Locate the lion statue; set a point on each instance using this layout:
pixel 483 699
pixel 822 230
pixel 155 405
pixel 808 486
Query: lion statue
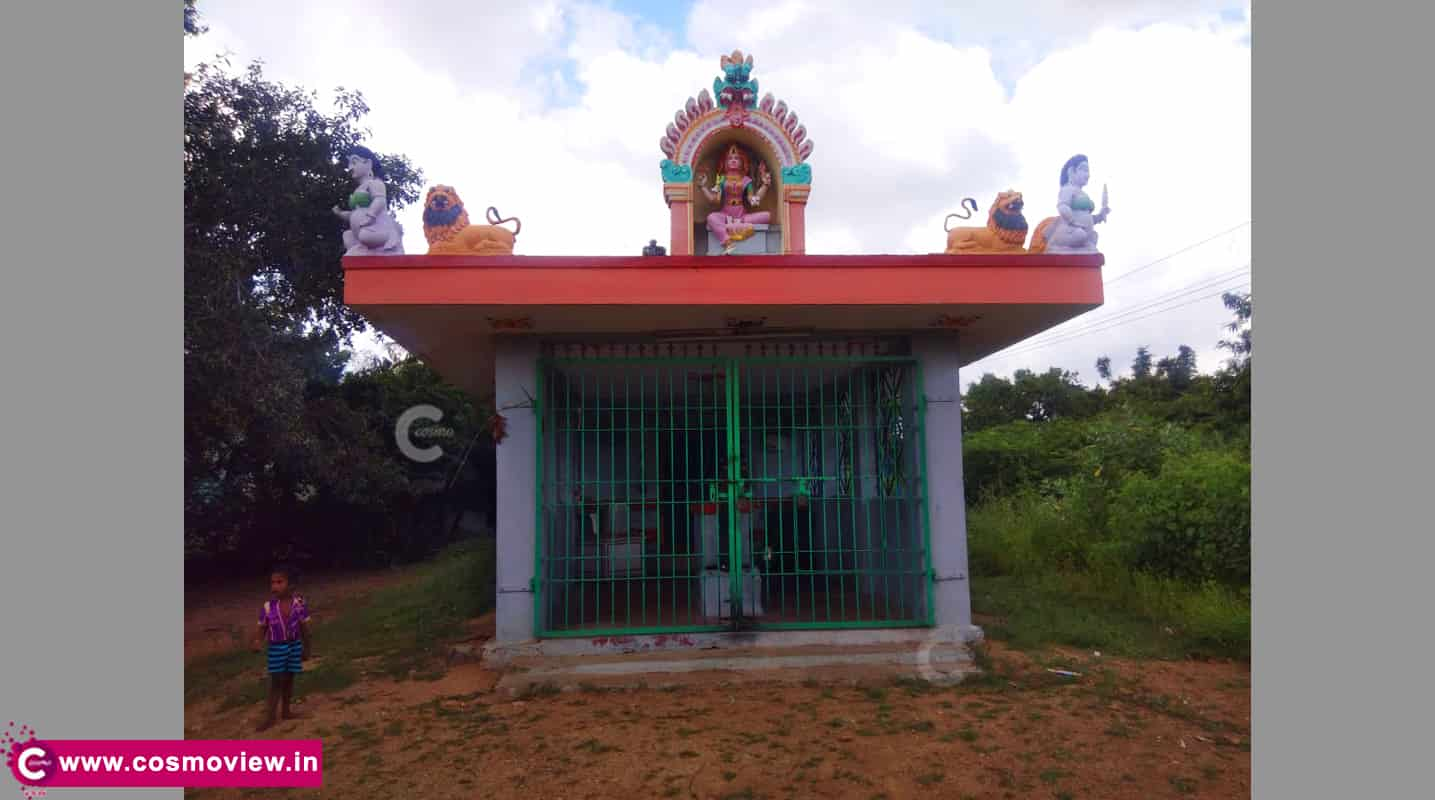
pixel 1005 230
pixel 448 231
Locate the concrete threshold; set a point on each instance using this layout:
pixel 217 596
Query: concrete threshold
pixel 499 654
pixel 942 662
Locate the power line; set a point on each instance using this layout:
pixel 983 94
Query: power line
pixel 1045 345
pixel 1159 300
pixel 1187 248
pixel 1130 321
pixel 1042 345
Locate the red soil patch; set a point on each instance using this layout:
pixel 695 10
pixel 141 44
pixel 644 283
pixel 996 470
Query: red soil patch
pixel 1124 729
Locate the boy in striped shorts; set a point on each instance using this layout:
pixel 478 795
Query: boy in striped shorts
pixel 284 626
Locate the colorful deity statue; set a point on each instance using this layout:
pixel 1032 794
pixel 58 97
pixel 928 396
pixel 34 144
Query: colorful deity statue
pixel 771 139
pixel 1073 230
pixel 735 191
pixel 372 227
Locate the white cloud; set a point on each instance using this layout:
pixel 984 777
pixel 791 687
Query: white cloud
pixel 913 104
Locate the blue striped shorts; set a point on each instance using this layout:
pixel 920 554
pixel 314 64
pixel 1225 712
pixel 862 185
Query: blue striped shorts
pixel 285 657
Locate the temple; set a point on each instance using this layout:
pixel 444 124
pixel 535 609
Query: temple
pixel 734 436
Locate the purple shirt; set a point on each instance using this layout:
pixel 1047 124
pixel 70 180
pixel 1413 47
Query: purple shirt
pixel 283 628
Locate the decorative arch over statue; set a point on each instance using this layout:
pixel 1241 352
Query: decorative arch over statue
pixel 767 131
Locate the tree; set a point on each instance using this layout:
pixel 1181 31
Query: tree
pixel 1103 368
pixel 1240 347
pixel 265 327
pixel 192 27
pixel 1054 394
pixel 1233 383
pixel 1141 366
pixel 990 402
pixel 1178 371
pixel 1032 397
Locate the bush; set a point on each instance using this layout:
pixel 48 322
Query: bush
pixel 1030 532
pixel 1001 533
pixel 1192 522
pixel 1001 460
pixel 1005 459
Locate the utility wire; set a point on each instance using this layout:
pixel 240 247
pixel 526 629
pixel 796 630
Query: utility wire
pixel 1160 299
pixel 1187 248
pixel 1045 345
pixel 1239 284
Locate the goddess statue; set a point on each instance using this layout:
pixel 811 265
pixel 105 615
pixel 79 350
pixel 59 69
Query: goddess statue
pixel 735 191
pixel 1073 230
pixel 372 227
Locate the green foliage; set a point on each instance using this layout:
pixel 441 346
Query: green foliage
pixel 398 630
pixel 1193 521
pixel 1240 347
pixel 1002 459
pixel 1119 613
pixel 286 456
pixel 1059 455
pixel 1008 535
pixel 1141 366
pixel 407 624
pixel 1124 529
pixel 1051 395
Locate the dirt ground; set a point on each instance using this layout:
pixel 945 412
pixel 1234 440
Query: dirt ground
pixel 1122 729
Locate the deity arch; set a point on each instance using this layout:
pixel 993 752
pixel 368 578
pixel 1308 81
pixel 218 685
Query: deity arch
pixel 735 176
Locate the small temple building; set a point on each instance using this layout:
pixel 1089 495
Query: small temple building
pixel 729 434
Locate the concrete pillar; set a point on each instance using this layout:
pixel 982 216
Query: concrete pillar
pixel 794 228
pixel 680 216
pixel 946 500
pixel 515 372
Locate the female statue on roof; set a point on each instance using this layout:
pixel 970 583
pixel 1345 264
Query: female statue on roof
pixel 734 190
pixel 372 227
pixel 1073 230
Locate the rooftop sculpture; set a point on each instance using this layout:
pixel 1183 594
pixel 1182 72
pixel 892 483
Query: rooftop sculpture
pixel 372 227
pixel 1005 231
pixel 449 232
pixel 759 150
pixel 1073 229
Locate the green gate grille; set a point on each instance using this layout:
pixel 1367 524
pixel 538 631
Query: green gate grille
pixel 680 494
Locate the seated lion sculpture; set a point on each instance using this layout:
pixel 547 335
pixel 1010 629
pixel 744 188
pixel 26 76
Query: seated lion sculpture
pixel 448 231
pixel 1005 231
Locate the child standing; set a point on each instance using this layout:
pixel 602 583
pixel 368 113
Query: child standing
pixel 284 627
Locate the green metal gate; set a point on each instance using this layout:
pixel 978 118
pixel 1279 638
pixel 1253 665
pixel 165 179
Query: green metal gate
pixel 694 494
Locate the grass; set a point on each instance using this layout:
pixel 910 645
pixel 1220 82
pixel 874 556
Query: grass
pixel 1104 607
pixel 1183 785
pixel 401 629
pixel 596 747
pixel 1086 612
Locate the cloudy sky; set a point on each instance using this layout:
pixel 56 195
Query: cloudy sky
pixel 912 104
